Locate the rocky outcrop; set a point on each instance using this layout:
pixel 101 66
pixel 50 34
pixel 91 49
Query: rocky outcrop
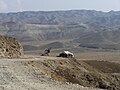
pixel 10 47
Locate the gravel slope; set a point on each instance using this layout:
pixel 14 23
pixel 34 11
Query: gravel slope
pixel 16 75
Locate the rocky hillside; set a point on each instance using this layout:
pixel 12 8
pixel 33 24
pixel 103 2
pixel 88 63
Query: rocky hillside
pixel 83 73
pixel 35 74
pixel 10 47
pixel 89 28
pixel 53 73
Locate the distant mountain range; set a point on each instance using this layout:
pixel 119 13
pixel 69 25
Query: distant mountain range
pixel 93 29
pixel 89 17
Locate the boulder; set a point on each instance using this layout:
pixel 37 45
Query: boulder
pixel 10 47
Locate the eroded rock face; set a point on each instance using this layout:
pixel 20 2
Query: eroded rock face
pixel 10 47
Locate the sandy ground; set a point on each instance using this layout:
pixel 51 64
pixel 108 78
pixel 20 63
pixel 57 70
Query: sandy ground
pixel 17 76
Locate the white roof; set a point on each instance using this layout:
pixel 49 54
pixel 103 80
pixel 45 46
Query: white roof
pixel 67 52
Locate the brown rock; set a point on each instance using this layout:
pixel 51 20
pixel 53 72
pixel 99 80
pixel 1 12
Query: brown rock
pixel 10 47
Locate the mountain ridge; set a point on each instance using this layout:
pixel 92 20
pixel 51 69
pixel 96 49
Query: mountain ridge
pixel 56 17
pixel 81 26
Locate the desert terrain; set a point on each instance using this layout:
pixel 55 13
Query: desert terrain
pixel 88 71
pixel 31 73
pixel 92 36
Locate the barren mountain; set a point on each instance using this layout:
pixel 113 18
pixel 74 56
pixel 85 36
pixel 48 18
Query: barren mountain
pixel 89 28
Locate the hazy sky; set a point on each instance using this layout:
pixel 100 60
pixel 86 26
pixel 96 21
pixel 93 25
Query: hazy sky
pixel 51 5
